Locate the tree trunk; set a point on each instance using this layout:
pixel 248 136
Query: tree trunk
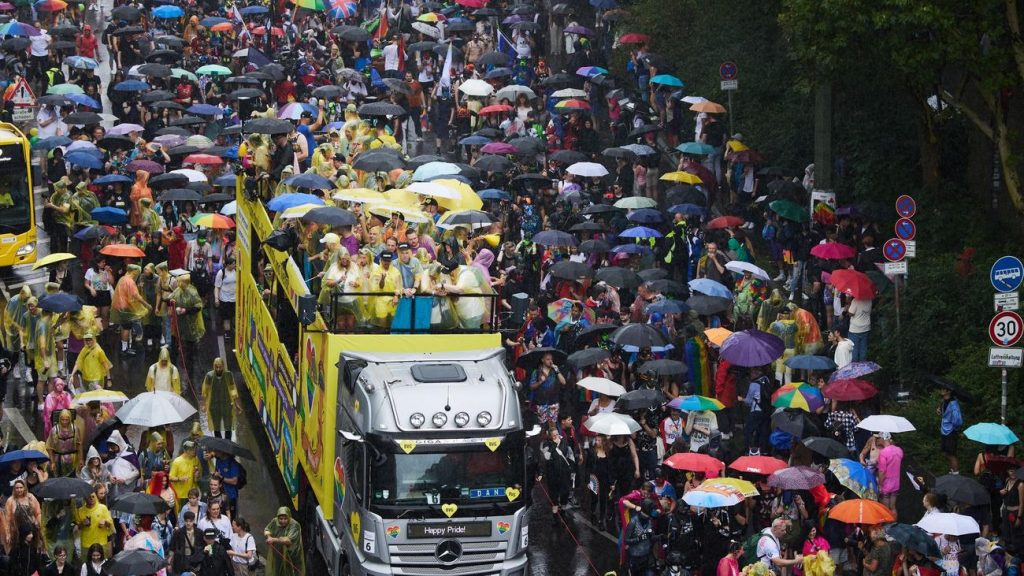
pixel 1008 161
pixel 931 173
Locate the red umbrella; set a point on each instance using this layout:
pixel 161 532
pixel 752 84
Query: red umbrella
pixel 694 462
pixel 260 31
pixel 854 283
pixel 202 159
pixel 498 148
pixel 634 38
pixel 725 222
pixel 851 389
pixel 758 464
pixel 833 251
pixel 495 109
pixel 472 3
pixel 123 251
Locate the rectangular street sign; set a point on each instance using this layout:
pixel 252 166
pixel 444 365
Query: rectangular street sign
pixel 911 248
pixel 1007 301
pixel 1005 357
pixel 730 85
pixel 894 268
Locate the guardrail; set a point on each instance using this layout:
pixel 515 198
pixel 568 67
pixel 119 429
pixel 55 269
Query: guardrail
pixel 419 313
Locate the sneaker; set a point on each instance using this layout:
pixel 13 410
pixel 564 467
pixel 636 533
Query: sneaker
pixel 780 277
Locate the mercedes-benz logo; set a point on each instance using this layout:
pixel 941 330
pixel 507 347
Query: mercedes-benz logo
pixel 448 551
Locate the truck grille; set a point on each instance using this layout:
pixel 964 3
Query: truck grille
pixel 478 559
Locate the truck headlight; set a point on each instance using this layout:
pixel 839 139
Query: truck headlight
pixel 483 419
pixel 439 419
pixel 417 420
pixel 26 249
pixel 461 419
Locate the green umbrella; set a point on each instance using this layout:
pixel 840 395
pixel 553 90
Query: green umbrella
pixel 214 70
pixel 635 203
pixel 790 210
pixel 182 73
pixel 63 89
pixel 698 148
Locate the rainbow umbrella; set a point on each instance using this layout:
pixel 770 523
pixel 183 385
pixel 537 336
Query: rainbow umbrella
pixel 798 395
pixel 572 105
pixel 560 309
pixel 207 220
pixel 589 71
pixel 695 403
pixel 432 17
pixel 310 4
pixel 855 476
pixel 745 488
pixel 341 9
pixel 50 5
pixel 16 28
pixel 712 497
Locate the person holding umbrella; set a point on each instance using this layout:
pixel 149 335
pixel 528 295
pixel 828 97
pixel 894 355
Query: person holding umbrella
pixel 129 308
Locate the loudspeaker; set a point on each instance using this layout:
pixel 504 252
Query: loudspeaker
pixel 519 302
pixel 307 309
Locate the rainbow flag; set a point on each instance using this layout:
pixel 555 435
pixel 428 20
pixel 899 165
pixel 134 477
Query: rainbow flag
pixel 696 358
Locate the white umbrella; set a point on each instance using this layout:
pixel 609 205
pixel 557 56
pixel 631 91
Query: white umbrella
pixel 587 169
pixel 612 424
pixel 694 99
pixel 435 190
pixel 740 267
pixel 427 29
pixel 192 175
pixel 601 386
pixel 155 409
pixel 124 129
pixel 474 87
pixel 886 423
pixel 569 93
pixel 513 91
pixel 949 524
pixel 230 208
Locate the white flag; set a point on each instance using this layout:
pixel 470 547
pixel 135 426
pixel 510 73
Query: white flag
pixel 446 70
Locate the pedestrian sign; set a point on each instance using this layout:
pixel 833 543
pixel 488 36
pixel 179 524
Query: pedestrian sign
pixel 1006 328
pixel 24 101
pixel 906 229
pixel 894 250
pixel 1007 274
pixel 906 206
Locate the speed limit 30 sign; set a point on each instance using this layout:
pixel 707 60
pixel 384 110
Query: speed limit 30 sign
pixel 1006 328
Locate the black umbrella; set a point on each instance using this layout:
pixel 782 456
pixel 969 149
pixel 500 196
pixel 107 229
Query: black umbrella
pixel 82 118
pixel 270 126
pixel 216 197
pixel 113 143
pixel 588 226
pixel 62 489
pixel 179 195
pixel 60 302
pixel 915 538
pixel 640 400
pixel 554 238
pixel 156 96
pixel 459 26
pixel 396 85
pixel 330 91
pixel 526 25
pixel 685 194
pixel 587 357
pixel 558 79
pixel 64 45
pixel 174 130
pixel 154 70
pixel 531 359
pixel 707 305
pixel 163 56
pixel 66 29
pixel 488 132
pixel 423 46
pixel 493 59
pixel 170 41
pixel 168 180
pixel 129 30
pixel 600 209
pixel 192 121
pixel 331 216
pixel 417 161
pixel 107 427
pixel 618 277
pixel 651 274
pixel 618 153
pixel 245 93
pixel 442 50
pixel 381 109
pixel 530 145
pixel 664 367
pixel 474 218
pixel 136 562
pixel 243 81
pixel 139 503
pixel 353 34
pixel 962 489
pixel 953 387
pixel 274 70
pixel 182 150
pixel 827 447
pixel 593 332
pixel 16 44
pixel 211 443
pixel 643 130
pixel 201 187
pixel 568 157
pixel 486 13
pixel 378 162
pixel 795 422
pixel 54 100
pixel 166 105
pixel 127 13
pixel 666 286
pixel 569 270
pixel 259 75
pixel 594 246
pixel 639 335
pixel 494 163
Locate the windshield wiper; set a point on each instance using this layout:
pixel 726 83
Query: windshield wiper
pixel 11 228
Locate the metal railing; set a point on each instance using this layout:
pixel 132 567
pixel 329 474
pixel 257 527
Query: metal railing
pixel 420 313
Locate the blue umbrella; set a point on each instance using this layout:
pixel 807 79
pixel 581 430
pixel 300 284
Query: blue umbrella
pixel 710 288
pixel 498 73
pixel 686 210
pixel 667 80
pixel 286 201
pixel 604 4
pixel 84 100
pixel 226 179
pixel 474 141
pixel 167 11
pixel 85 160
pixel 645 216
pixel 92 233
pixel 131 86
pixel 493 194
pixel 312 181
pixel 856 477
pixel 640 232
pixel 81 63
pixel 698 148
pixel 60 302
pixel 211 21
pixel 51 142
pixel 667 307
pixel 810 362
pixel 434 169
pixel 854 370
pixel 205 110
pixel 631 249
pixel 991 434
pixel 250 10
pixel 23 455
pixel 109 215
pixel 113 179
pixel 640 149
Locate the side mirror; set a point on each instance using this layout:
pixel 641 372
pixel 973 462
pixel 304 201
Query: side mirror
pixel 350 436
pixel 532 432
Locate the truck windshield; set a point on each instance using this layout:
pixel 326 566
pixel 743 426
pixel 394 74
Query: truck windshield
pixel 468 474
pixel 15 210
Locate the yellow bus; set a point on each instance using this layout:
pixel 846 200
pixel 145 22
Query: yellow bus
pixel 17 202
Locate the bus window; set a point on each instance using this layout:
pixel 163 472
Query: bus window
pixel 15 202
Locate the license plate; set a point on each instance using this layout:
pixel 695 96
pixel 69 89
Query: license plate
pixel 448 530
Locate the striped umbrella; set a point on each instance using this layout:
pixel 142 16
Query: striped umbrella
pixel 207 220
pixel 693 403
pixel 798 395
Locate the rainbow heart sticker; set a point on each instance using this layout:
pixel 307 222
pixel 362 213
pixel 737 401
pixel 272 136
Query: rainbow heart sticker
pixel 393 531
pixel 504 527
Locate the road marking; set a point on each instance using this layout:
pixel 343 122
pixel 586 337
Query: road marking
pixel 14 416
pixel 580 518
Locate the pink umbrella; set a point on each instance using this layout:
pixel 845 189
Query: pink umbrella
pixel 6 6
pixel 498 148
pixel 833 251
pixel 147 165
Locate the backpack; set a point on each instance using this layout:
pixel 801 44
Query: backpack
pixel 243 476
pixel 768 388
pixel 750 548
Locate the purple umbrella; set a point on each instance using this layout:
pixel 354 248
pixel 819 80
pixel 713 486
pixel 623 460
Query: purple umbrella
pixel 752 348
pixel 513 19
pixel 124 129
pixel 147 165
pixel 854 370
pixel 498 148
pixel 577 29
pixel 796 478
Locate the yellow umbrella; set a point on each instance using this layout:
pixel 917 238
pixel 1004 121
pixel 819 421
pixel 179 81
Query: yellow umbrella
pixel 468 200
pixel 299 211
pixel 359 195
pixel 717 335
pixel 747 489
pixel 402 196
pixel 684 177
pixel 736 146
pixel 708 107
pixel 99 396
pixel 53 259
pixel 411 214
